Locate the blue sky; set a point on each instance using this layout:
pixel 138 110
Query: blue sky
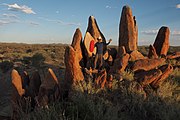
pixel 55 21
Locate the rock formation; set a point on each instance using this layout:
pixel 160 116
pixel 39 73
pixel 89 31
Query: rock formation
pixel 166 71
pixel 152 52
pixel 128 33
pixel 49 89
pixel 94 30
pixel 147 77
pixel 135 55
pixel 34 85
pixel 73 71
pixel 17 82
pixel 77 42
pixel 147 64
pixel 121 51
pixel 161 43
pixel 174 55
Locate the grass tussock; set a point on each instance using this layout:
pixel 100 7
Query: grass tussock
pixel 123 102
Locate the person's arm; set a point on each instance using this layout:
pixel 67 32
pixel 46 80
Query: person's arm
pixel 109 42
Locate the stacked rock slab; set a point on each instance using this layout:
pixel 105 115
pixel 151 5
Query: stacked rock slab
pixel 161 43
pixel 166 71
pixel 128 33
pixel 147 64
pixel 94 30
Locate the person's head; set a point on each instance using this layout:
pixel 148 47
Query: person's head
pixel 99 39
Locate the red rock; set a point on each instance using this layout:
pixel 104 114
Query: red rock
pixel 147 77
pixel 136 55
pixel 121 51
pixel 120 64
pixel 152 52
pixel 50 80
pixel 17 82
pixel 166 71
pixel 174 55
pixel 77 42
pixel 73 71
pixel 49 89
pixel 94 30
pixel 128 33
pixel 161 43
pixel 147 64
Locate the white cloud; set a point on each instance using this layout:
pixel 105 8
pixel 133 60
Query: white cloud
pixel 175 33
pixel 60 22
pixel 150 32
pixel 178 6
pixel 154 32
pixel 22 8
pixel 33 23
pixel 108 6
pixel 10 15
pixel 4 22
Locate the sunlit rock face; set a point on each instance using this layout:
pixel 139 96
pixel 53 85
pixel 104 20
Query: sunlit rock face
pixel 161 43
pixel 128 33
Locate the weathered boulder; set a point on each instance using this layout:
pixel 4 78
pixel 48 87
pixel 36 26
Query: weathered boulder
pixel 94 30
pixel 73 71
pixel 120 64
pixel 128 33
pixel 135 55
pixel 166 71
pixel 152 52
pixel 174 55
pixel 34 85
pixel 161 43
pixel 17 82
pixel 110 52
pixel 49 89
pixel 147 64
pixel 147 77
pixel 77 42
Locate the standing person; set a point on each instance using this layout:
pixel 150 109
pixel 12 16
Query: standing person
pixel 99 52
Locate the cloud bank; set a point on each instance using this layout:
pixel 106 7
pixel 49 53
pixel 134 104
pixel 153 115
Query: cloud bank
pixel 154 32
pixel 22 8
pixel 150 32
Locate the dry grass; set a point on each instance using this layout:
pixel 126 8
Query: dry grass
pixel 86 102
